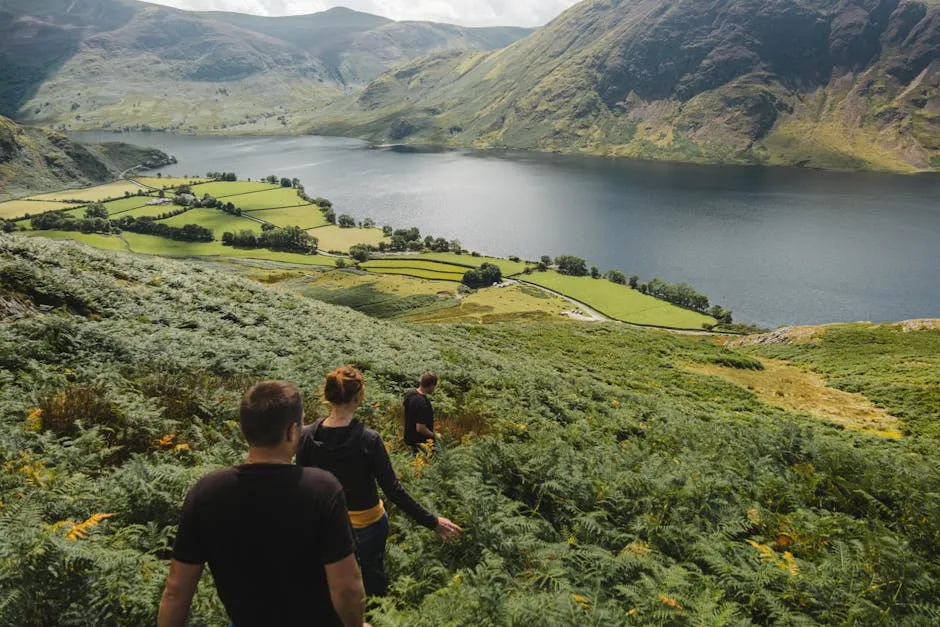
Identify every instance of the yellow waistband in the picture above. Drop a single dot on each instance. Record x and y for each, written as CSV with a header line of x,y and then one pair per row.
x,y
364,518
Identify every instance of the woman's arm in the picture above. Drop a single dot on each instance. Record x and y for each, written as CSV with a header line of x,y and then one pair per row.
x,y
384,473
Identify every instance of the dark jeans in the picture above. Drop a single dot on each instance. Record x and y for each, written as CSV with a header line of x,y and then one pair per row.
x,y
370,553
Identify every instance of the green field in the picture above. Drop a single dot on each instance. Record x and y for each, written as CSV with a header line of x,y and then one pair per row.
x,y
116,207
508,267
224,189
153,245
92,194
334,238
216,221
620,302
304,216
383,265
271,199
166,182
420,274
19,208
151,211
105,242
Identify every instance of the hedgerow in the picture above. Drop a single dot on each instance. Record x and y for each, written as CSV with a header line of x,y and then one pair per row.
x,y
598,481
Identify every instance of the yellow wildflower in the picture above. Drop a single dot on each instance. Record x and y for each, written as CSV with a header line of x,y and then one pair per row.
x,y
581,600
670,602
34,420
166,441
78,530
181,447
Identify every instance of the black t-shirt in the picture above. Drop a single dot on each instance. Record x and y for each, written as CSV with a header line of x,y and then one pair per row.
x,y
418,410
266,531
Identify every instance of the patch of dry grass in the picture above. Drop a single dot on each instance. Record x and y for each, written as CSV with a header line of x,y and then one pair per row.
x,y
793,389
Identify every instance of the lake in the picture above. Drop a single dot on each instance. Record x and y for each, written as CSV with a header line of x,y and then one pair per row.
x,y
776,245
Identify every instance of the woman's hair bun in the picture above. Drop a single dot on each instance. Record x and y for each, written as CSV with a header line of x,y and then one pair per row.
x,y
343,385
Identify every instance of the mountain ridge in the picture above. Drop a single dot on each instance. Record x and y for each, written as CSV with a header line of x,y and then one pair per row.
x,y
127,64
838,84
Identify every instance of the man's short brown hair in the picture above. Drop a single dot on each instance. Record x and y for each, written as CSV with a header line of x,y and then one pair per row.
x,y
428,380
267,411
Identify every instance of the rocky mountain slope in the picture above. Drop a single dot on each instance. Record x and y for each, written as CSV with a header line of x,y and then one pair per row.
x,y
831,83
122,63
33,160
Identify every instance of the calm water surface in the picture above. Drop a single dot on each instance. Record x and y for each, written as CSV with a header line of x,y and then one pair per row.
x,y
778,246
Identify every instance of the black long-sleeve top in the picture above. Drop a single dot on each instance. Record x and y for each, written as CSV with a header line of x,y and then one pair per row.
x,y
357,457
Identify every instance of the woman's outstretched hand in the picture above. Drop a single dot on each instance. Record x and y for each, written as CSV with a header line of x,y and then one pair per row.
x,y
447,530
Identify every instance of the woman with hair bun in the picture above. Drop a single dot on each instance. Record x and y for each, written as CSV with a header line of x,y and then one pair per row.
x,y
357,457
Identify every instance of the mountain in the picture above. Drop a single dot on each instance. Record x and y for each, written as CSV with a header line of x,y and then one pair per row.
x,y
830,83
33,160
121,63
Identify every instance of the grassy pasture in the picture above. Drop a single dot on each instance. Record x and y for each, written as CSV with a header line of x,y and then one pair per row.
x,y
167,182
508,267
217,221
421,274
104,242
151,211
510,304
153,245
620,302
92,194
383,265
121,205
225,189
269,199
304,216
334,238
19,208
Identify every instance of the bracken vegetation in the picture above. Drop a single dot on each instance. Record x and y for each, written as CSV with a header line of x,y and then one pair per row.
x,y
599,483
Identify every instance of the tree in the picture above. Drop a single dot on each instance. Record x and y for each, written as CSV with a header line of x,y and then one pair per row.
x,y
456,247
295,182
634,281
286,182
340,263
96,210
571,265
346,221
360,252
368,223
330,216
616,276
387,230
595,273
161,194
323,203
484,276
272,179
546,261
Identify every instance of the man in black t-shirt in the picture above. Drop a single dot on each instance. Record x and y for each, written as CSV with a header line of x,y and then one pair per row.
x,y
419,414
276,536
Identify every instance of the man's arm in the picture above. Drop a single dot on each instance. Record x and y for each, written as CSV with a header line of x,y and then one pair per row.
x,y
346,590
178,594
424,419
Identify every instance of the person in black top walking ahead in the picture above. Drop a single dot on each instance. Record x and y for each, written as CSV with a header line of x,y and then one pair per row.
x,y
357,457
419,413
276,536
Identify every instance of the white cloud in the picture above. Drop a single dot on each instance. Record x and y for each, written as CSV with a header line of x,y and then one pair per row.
x,y
466,12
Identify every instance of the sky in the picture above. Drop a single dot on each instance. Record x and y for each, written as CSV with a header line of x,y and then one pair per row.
x,y
464,12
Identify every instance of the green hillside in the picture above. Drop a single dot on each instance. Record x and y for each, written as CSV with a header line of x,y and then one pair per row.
x,y
601,479
125,64
34,160
825,84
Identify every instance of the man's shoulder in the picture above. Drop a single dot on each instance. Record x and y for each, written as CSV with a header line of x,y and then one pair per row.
x,y
320,481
